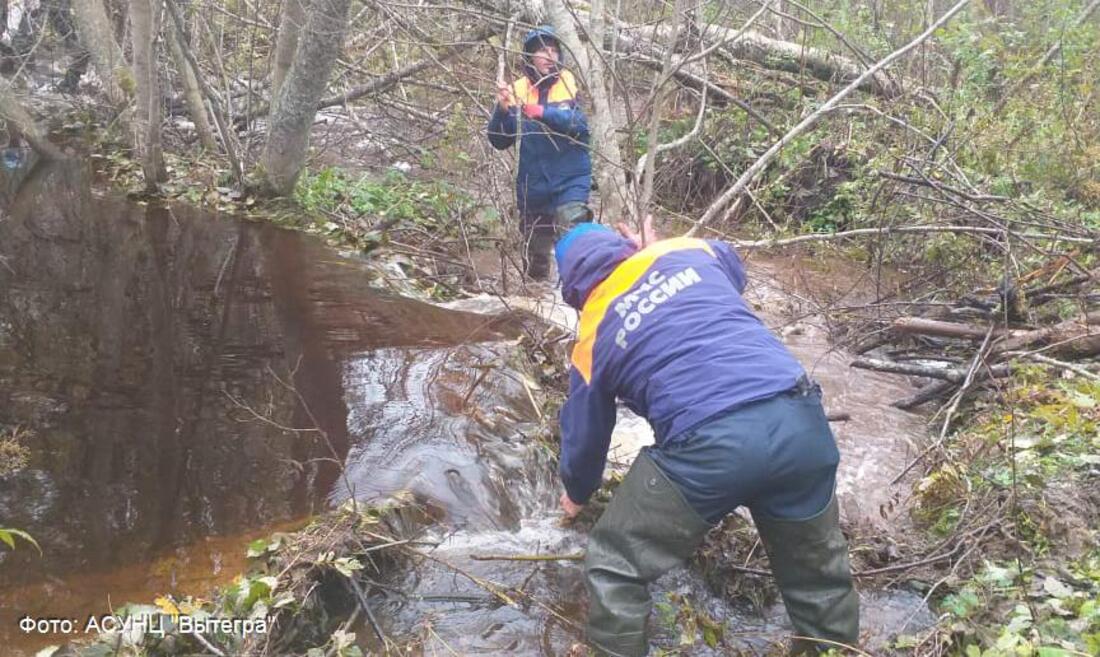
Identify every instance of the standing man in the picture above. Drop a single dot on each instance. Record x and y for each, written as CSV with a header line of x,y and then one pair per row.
x,y
555,170
737,422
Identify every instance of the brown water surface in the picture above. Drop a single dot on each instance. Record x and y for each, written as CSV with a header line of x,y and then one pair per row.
x,y
187,382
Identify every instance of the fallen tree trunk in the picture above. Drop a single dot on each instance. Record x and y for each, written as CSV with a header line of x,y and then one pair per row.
x,y
1069,339
688,78
925,394
952,374
770,53
738,188
922,326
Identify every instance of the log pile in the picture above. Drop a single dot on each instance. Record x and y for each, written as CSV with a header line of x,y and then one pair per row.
x,y
1014,326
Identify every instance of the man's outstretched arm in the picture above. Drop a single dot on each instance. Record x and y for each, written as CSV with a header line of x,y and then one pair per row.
x,y
587,419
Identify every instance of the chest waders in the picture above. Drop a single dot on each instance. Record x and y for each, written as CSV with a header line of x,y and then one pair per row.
x,y
649,529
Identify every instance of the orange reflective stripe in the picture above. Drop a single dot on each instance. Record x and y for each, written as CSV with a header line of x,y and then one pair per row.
x,y
619,282
564,89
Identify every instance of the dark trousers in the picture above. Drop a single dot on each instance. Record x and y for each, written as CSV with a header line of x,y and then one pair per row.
x,y
778,457
540,229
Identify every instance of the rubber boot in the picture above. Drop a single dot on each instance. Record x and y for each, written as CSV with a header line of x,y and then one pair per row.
x,y
538,250
647,530
570,214
809,559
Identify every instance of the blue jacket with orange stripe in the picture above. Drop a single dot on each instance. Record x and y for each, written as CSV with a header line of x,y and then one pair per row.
x,y
554,164
666,331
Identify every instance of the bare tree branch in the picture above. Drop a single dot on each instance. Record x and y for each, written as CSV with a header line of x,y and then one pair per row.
x,y
742,183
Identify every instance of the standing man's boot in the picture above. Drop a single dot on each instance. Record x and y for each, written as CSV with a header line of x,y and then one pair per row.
x,y
538,254
647,529
809,559
538,231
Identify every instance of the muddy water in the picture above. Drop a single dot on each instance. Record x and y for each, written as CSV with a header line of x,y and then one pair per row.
x,y
185,383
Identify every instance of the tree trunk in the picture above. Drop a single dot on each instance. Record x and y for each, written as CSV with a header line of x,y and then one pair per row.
x,y
145,23
770,53
191,92
922,326
945,373
290,26
295,105
606,155
97,35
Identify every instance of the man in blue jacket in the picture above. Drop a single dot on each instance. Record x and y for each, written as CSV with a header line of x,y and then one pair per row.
x,y
555,169
664,329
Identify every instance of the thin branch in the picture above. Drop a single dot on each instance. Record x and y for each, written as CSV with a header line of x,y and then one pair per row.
x,y
738,188
215,103
886,230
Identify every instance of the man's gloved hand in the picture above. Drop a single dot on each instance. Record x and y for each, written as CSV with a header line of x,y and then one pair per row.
x,y
532,111
505,98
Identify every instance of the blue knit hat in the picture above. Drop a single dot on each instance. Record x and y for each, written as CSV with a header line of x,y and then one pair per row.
x,y
567,240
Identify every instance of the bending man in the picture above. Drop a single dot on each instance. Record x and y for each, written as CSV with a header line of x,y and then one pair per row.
x,y
737,422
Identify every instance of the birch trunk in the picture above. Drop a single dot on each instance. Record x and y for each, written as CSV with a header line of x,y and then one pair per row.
x,y
295,106
603,127
97,35
144,23
290,26
192,93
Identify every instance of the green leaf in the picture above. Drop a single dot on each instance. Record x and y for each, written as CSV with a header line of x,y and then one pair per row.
x,y
711,635
257,548
6,535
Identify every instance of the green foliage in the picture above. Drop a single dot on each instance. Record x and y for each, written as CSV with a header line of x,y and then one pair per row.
x,y
1006,611
1055,430
8,536
679,617
838,212
395,196
1046,431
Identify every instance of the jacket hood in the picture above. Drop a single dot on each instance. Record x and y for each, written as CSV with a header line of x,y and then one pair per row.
x,y
531,43
590,258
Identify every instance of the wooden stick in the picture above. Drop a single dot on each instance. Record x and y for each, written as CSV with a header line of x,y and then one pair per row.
x,y
888,230
527,557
